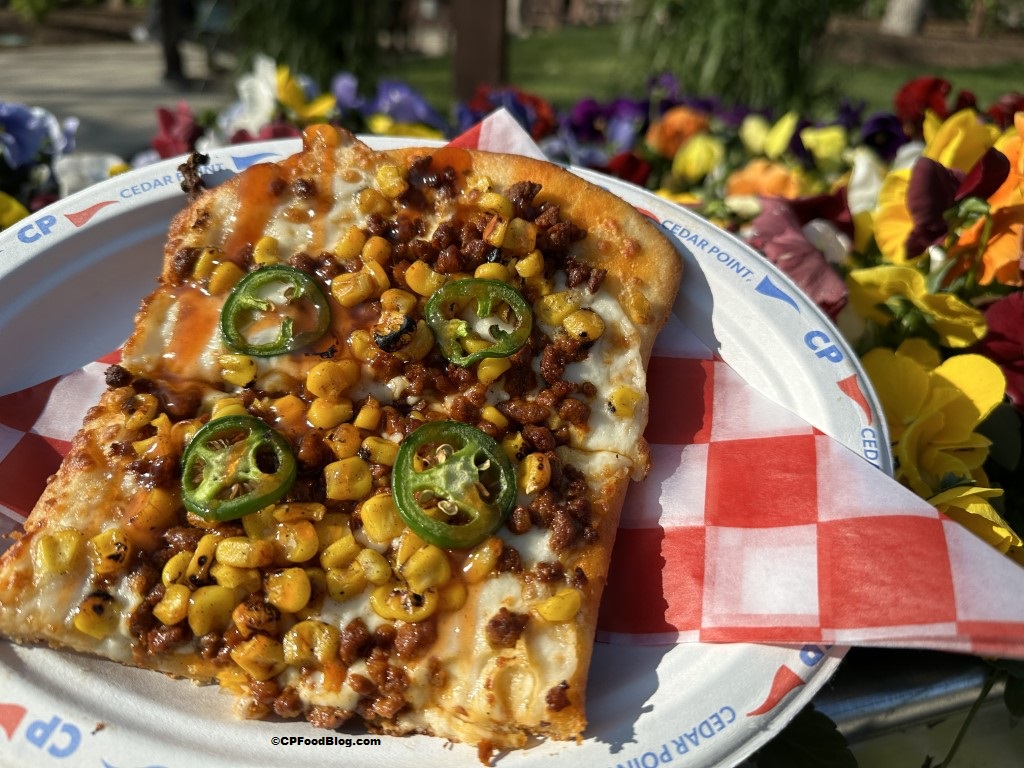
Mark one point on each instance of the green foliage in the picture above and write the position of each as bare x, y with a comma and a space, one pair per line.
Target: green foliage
318, 38
759, 53
34, 11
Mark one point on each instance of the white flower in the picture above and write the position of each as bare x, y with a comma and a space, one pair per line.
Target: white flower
257, 93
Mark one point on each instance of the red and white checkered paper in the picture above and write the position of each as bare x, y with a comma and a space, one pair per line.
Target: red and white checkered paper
753, 526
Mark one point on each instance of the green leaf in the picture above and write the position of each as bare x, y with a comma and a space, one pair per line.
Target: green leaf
811, 740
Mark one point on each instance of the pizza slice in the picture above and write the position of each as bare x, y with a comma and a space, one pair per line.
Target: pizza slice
365, 452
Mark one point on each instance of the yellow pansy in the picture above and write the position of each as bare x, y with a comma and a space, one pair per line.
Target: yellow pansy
959, 141
383, 125
679, 198
893, 224
968, 506
753, 132
776, 141
11, 211
292, 95
826, 145
957, 323
697, 157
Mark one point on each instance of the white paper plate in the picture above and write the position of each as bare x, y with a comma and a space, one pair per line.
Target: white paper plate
71, 278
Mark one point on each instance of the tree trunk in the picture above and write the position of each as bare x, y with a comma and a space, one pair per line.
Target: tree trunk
904, 18
976, 20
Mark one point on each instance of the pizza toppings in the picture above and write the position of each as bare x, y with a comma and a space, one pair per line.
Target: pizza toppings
274, 310
235, 465
453, 485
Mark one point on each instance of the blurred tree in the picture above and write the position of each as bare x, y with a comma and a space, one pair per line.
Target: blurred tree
904, 18
760, 53
318, 38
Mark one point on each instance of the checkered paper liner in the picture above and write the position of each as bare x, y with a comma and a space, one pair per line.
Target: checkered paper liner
753, 526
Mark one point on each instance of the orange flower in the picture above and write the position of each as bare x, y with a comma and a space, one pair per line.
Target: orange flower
764, 178
677, 125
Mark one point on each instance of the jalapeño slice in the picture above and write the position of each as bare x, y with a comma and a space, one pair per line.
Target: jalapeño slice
490, 296
235, 465
274, 310
453, 485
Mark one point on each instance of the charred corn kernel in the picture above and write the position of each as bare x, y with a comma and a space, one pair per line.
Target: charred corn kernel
495, 202
420, 345
260, 656
317, 585
371, 201
243, 552
245, 580
375, 566
57, 552
287, 589
237, 369
311, 642
360, 342
332, 379
531, 265
493, 415
520, 236
344, 440
266, 251
228, 406
400, 604
408, 545
555, 307
515, 446
334, 526
139, 410
224, 277
481, 559
369, 414
347, 582
292, 511
176, 568
623, 402
637, 305
376, 250
561, 606
209, 609
398, 301
534, 472
97, 615
259, 524
150, 514
352, 288
297, 540
348, 479
490, 369
173, 606
495, 230
182, 432
109, 551
426, 567
584, 324
422, 279
390, 181
478, 183
290, 411
380, 450
198, 571
340, 552
381, 522
453, 595
160, 443
350, 244
205, 263
255, 614
539, 286
379, 275
492, 270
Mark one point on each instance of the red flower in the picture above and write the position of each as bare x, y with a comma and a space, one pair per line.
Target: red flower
629, 166
1004, 343
177, 131
1005, 108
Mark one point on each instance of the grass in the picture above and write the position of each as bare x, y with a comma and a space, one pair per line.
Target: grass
566, 65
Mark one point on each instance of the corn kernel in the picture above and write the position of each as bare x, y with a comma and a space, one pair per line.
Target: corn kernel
494, 231
97, 616
532, 265
493, 415
408, 545
297, 540
492, 270
198, 571
109, 551
376, 250
390, 181
259, 524
57, 552
209, 609
348, 479
205, 263
173, 606
561, 606
332, 379
265, 251
289, 410
375, 566
255, 615
584, 325
481, 559
534, 473
514, 445
623, 402
224, 277
426, 567
380, 450
495, 202
397, 603
350, 244
227, 406
260, 656
360, 342
397, 301
340, 552
379, 275
637, 305
490, 369
333, 526
347, 582
371, 201
369, 414
352, 288
420, 345
139, 410
288, 589
553, 308
151, 513
344, 441
239, 370
422, 279
243, 552
520, 236
311, 642
290, 511
244, 580
381, 522
453, 595
176, 568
